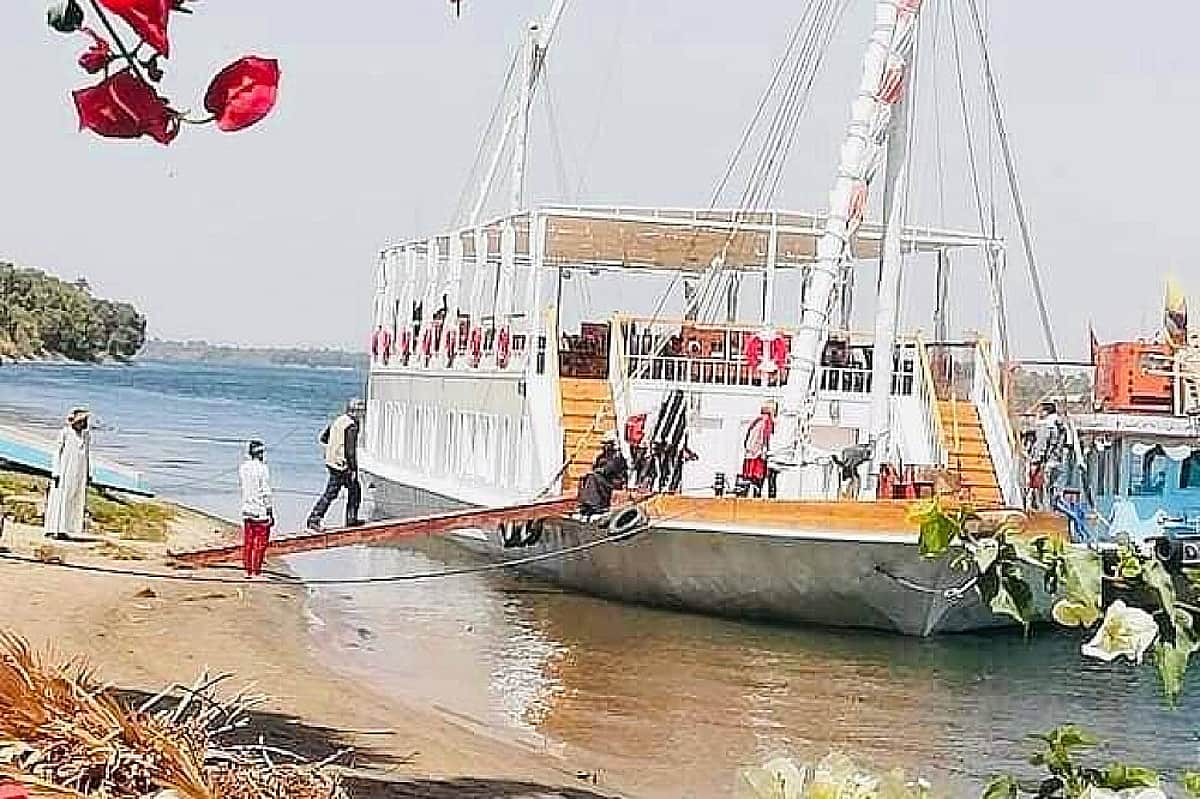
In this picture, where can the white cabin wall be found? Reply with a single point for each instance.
(470, 438)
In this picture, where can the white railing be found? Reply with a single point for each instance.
(927, 400)
(997, 428)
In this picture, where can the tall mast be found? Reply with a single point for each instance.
(882, 86)
(891, 265)
(538, 38)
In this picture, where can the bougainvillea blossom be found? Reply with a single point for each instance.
(122, 106)
(243, 92)
(96, 57)
(148, 18)
(126, 104)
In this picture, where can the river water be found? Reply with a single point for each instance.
(670, 704)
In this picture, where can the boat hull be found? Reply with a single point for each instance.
(832, 577)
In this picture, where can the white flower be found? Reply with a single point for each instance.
(780, 778)
(1125, 631)
(1142, 793)
(1093, 792)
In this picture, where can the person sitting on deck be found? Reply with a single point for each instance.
(848, 463)
(757, 443)
(609, 472)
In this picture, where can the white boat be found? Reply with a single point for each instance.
(502, 395)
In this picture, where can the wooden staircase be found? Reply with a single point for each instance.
(967, 449)
(582, 400)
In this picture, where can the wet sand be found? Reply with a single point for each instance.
(143, 634)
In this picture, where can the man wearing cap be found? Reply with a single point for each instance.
(69, 468)
(258, 510)
(609, 472)
(341, 461)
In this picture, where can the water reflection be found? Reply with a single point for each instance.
(675, 703)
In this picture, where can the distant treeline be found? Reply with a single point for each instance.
(203, 352)
(42, 316)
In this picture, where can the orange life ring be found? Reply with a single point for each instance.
(475, 346)
(503, 347)
(427, 344)
(405, 346)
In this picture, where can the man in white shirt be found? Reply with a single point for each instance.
(69, 472)
(258, 512)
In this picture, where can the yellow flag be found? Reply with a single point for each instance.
(1175, 315)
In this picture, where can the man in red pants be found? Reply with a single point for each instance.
(258, 513)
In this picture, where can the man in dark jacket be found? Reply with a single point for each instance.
(341, 461)
(609, 472)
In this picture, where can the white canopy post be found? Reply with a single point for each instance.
(431, 295)
(503, 308)
(882, 86)
(404, 310)
(769, 272)
(476, 308)
(533, 293)
(453, 288)
(941, 296)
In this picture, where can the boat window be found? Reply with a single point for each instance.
(1189, 472)
(1102, 471)
(1148, 473)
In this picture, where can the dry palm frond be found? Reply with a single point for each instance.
(64, 735)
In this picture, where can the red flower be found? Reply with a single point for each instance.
(148, 18)
(124, 107)
(243, 93)
(96, 57)
(13, 790)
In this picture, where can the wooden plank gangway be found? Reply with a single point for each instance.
(390, 530)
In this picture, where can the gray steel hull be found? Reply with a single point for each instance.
(802, 578)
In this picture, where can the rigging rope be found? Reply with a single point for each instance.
(461, 206)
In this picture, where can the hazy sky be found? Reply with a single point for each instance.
(269, 236)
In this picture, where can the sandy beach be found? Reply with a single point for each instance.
(143, 634)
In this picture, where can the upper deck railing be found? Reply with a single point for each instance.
(715, 356)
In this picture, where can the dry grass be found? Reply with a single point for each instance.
(64, 734)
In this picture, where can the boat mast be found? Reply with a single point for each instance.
(538, 37)
(891, 268)
(882, 86)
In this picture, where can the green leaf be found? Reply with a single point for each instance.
(1013, 597)
(1191, 783)
(936, 535)
(985, 553)
(1171, 660)
(1120, 776)
(1000, 788)
(1083, 576)
(1157, 578)
(1129, 565)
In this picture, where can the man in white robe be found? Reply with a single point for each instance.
(69, 470)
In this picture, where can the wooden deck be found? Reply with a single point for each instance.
(878, 518)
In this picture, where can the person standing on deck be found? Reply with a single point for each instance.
(757, 444)
(1048, 449)
(341, 461)
(849, 463)
(258, 510)
(70, 466)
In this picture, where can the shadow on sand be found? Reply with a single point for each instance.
(314, 743)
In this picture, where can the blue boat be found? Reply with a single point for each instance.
(34, 455)
(1136, 474)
